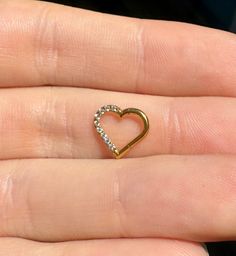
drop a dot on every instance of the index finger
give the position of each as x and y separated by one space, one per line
44 43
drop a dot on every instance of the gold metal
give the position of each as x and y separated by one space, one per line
120 153
112 108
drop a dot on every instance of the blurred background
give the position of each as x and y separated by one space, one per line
214 13
219 14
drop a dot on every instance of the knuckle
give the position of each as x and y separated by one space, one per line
14 193
45 121
118 204
7 184
56 121
174 126
152 57
46 45
140 47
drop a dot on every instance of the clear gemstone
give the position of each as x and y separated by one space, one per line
111 146
106 139
104 136
96 123
99 129
100 112
108 142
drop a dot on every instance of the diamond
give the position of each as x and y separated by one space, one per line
108 108
100 112
112 146
104 136
99 130
96 123
107 140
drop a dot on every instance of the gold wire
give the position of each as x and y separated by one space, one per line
120 153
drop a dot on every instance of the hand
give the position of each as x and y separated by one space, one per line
179 183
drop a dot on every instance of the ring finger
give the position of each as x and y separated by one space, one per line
161 196
134 247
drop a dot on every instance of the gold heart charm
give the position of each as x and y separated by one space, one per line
112 108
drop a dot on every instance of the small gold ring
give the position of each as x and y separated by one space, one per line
111 146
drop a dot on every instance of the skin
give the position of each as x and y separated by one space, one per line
60 191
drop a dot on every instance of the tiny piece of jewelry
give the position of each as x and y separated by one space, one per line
112 108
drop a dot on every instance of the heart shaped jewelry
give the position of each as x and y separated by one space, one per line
111 146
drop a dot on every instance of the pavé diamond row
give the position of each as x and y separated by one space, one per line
97 117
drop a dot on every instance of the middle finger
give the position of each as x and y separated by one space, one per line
58 122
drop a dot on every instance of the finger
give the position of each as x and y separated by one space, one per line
181 197
58 122
20 247
59 45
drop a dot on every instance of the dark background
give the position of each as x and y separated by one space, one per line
212 13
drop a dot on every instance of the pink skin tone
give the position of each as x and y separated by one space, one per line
58 183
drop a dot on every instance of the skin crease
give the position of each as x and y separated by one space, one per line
59 200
